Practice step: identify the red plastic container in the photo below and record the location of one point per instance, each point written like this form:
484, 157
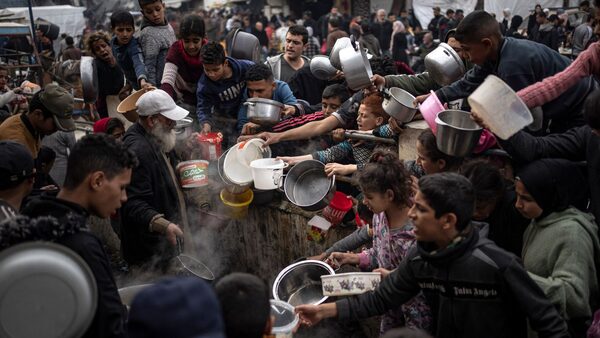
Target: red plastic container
210, 145
337, 208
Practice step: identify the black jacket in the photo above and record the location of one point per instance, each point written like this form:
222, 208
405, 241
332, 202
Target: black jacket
71, 231
522, 63
151, 192
577, 144
474, 290
506, 224
383, 32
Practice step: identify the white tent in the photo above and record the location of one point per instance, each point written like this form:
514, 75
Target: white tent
518, 7
70, 19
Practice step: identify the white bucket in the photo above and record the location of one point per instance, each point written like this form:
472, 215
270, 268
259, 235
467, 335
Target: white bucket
500, 107
286, 319
267, 172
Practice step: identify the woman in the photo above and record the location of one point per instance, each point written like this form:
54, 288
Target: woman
560, 246
399, 44
368, 40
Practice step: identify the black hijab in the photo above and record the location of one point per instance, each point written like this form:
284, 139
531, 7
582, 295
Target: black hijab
556, 184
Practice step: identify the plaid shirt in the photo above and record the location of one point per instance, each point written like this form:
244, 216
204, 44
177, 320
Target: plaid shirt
311, 50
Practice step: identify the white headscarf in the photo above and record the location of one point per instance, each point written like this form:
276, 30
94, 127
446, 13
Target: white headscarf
397, 28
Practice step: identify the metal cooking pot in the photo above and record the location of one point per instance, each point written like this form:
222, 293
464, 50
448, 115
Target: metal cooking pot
263, 112
457, 134
89, 79
300, 283
46, 290
244, 46
356, 66
444, 65
321, 68
306, 185
399, 104
183, 129
334, 56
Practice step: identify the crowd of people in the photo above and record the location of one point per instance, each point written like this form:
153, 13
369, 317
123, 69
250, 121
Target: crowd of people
500, 243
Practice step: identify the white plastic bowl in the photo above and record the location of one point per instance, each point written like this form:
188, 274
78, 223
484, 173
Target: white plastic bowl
351, 283
285, 319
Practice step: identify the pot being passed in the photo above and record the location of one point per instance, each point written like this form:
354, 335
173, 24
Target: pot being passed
334, 56
356, 67
457, 134
321, 67
263, 112
89, 79
307, 186
244, 46
183, 129
399, 104
300, 283
444, 65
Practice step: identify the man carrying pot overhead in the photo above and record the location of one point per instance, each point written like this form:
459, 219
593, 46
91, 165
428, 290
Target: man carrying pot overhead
155, 213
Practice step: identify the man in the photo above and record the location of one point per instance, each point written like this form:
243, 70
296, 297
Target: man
49, 110
260, 83
9, 98
291, 60
474, 288
547, 32
433, 24
582, 35
98, 171
382, 29
155, 213
505, 24
261, 35
71, 52
444, 23
334, 32
16, 177
309, 22
323, 22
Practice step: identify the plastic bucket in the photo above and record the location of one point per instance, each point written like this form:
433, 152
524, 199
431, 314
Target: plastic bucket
267, 172
210, 145
193, 174
236, 205
337, 208
285, 319
430, 108
500, 107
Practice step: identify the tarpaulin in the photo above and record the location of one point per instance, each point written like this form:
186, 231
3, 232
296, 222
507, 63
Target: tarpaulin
423, 8
70, 19
518, 7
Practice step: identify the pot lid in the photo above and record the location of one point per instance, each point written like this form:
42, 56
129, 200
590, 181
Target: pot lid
46, 290
266, 101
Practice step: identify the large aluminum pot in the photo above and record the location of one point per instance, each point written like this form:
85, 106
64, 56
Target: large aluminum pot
321, 67
300, 283
444, 65
46, 290
306, 185
183, 129
244, 46
399, 104
334, 56
89, 79
356, 67
457, 134
263, 112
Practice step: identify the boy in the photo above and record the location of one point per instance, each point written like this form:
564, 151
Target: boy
16, 177
474, 288
519, 63
156, 36
221, 86
98, 170
126, 49
244, 301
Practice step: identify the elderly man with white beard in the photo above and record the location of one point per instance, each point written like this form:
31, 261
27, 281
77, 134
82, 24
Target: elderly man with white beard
154, 215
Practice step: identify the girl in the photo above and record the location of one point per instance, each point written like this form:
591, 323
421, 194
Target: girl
560, 246
430, 160
386, 187
370, 116
183, 66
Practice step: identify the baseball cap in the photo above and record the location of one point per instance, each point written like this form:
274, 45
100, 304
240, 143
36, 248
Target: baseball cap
59, 102
159, 102
176, 307
16, 163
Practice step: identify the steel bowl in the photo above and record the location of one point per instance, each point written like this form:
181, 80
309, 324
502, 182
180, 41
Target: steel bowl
356, 67
307, 186
334, 56
183, 129
399, 104
444, 65
300, 283
263, 112
244, 46
321, 68
457, 134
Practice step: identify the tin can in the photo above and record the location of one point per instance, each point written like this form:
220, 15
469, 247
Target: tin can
193, 174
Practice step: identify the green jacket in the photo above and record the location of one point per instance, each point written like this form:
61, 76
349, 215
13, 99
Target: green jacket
559, 253
418, 84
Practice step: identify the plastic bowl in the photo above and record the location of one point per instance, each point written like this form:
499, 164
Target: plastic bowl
285, 318
430, 108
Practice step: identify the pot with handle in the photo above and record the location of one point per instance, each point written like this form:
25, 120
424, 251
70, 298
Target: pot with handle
356, 66
267, 172
399, 104
263, 112
183, 129
307, 186
334, 56
89, 79
444, 65
244, 46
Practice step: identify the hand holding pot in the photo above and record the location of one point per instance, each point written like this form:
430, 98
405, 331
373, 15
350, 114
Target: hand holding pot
342, 258
394, 125
206, 128
338, 135
288, 111
309, 314
173, 232
478, 119
250, 128
339, 169
378, 81
419, 99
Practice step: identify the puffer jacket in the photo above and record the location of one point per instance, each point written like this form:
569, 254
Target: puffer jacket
474, 289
